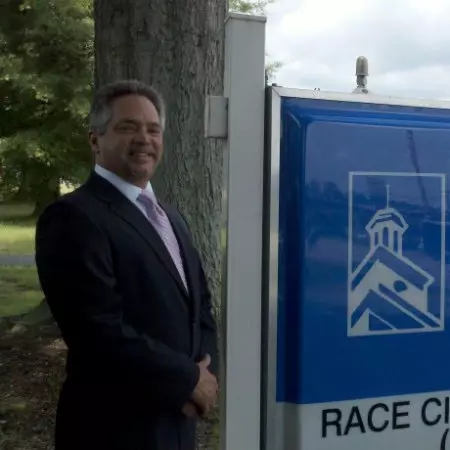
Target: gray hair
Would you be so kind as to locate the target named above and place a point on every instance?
(101, 108)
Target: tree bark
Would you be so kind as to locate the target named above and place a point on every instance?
(44, 193)
(46, 196)
(39, 186)
(178, 47)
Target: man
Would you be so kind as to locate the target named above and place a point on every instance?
(127, 289)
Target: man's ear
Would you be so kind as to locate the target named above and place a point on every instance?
(93, 141)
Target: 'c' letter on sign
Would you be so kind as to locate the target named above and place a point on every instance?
(426, 417)
(370, 418)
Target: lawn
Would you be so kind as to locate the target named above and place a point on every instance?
(19, 290)
(16, 229)
(19, 285)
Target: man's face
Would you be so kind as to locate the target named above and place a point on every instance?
(133, 143)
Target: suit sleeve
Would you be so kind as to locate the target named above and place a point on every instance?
(76, 272)
(208, 326)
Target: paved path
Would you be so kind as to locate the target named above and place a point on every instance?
(17, 260)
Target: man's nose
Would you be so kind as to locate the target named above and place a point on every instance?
(143, 136)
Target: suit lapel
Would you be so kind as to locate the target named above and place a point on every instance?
(124, 208)
(187, 252)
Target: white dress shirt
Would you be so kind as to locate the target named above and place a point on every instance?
(129, 190)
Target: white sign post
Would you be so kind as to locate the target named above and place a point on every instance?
(239, 117)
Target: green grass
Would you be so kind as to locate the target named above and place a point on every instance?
(19, 290)
(16, 229)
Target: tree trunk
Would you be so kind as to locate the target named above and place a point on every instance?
(22, 194)
(44, 194)
(178, 47)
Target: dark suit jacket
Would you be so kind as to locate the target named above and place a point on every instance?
(133, 332)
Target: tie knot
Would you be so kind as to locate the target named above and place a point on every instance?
(147, 198)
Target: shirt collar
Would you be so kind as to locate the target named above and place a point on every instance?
(129, 190)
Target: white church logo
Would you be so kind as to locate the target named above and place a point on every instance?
(389, 293)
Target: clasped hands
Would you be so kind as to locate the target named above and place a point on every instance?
(205, 393)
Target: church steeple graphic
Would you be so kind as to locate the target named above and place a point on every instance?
(386, 228)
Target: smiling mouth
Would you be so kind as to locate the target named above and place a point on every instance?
(142, 153)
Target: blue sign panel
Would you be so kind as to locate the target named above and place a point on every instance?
(363, 247)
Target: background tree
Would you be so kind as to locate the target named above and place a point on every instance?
(249, 7)
(46, 62)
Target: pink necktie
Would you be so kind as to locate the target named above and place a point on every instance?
(158, 218)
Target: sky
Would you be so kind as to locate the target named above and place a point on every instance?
(407, 43)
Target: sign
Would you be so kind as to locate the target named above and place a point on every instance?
(392, 287)
(359, 332)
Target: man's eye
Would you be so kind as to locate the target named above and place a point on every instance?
(127, 128)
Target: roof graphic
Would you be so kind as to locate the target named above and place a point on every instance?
(404, 268)
(392, 311)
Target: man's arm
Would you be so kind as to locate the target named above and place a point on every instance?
(75, 268)
(205, 395)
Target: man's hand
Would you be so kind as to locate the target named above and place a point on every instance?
(205, 393)
(190, 410)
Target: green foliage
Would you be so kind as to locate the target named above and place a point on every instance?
(249, 7)
(271, 69)
(46, 73)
